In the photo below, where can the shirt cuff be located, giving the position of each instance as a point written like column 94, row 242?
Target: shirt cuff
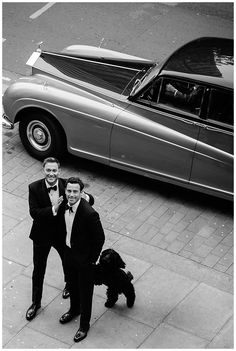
column 53, row 211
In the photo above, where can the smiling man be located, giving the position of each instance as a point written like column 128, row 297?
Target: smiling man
column 81, row 225
column 45, row 198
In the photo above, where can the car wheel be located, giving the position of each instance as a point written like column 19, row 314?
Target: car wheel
column 41, row 136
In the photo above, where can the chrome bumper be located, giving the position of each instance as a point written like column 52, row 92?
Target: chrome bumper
column 6, row 123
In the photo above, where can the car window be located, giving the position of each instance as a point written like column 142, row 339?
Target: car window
column 182, row 95
column 173, row 93
column 221, row 106
column 152, row 93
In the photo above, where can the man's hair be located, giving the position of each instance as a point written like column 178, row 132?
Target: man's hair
column 51, row 159
column 75, row 180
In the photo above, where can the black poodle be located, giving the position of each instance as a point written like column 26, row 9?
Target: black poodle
column 109, row 271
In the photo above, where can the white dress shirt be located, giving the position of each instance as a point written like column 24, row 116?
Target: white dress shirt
column 54, row 196
column 69, row 218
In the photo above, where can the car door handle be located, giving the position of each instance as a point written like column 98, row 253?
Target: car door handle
column 201, row 125
column 189, row 122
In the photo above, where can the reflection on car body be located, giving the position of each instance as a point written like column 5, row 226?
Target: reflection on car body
column 171, row 121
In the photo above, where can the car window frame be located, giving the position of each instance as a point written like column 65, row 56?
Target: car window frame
column 174, row 111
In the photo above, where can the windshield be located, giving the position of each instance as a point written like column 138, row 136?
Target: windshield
column 146, row 78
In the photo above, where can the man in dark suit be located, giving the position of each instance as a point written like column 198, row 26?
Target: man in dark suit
column 45, row 198
column 84, row 240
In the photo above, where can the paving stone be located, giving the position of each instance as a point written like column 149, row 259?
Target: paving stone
column 206, row 231
column 168, row 337
column 160, row 211
column 8, row 223
column 175, row 263
column 171, row 236
column 194, row 244
column 14, row 206
column 225, row 338
column 10, row 270
column 118, row 226
column 219, row 267
column 167, row 228
column 203, row 312
column 203, row 250
column 163, row 244
column 47, row 322
column 164, row 218
column 182, row 225
column 213, row 241
column 176, row 218
column 7, row 335
column 159, row 298
column 116, row 330
column 197, row 224
column 185, row 236
column 32, row 339
column 228, row 240
column 8, row 178
column 16, row 300
column 22, row 252
column 149, row 235
column 211, row 260
column 230, row 270
column 227, row 260
column 176, row 246
column 185, row 253
column 220, row 250
column 156, row 239
column 196, row 258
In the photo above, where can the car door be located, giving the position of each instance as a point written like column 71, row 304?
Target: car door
column 154, row 136
column 213, row 159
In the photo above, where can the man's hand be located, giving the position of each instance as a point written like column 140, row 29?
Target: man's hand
column 58, row 203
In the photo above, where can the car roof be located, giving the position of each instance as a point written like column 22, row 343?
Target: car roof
column 206, row 59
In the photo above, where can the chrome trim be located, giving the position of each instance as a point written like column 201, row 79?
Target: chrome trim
column 6, row 123
column 147, row 170
column 211, row 188
column 67, row 109
column 89, row 153
column 87, row 60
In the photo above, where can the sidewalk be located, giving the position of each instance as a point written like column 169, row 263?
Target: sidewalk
column 177, row 244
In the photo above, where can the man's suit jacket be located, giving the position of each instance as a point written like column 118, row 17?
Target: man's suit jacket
column 44, row 229
column 87, row 235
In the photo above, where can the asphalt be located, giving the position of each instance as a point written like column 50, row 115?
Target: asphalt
column 178, row 244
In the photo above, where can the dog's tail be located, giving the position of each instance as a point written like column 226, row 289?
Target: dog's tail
column 130, row 276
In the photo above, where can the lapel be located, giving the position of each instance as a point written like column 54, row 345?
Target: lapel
column 78, row 216
column 44, row 193
column 61, row 187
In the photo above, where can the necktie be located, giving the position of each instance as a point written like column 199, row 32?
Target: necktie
column 52, row 188
column 69, row 208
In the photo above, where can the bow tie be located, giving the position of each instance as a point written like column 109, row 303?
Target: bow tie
column 52, row 188
column 69, row 208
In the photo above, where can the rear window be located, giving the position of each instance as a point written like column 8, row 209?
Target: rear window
column 221, row 106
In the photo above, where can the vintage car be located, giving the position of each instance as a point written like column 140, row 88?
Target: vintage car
column 171, row 121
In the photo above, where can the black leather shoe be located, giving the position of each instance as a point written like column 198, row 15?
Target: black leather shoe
column 80, row 335
column 32, row 310
column 65, row 293
column 68, row 316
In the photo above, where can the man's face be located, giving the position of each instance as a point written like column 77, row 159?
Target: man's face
column 73, row 193
column 51, row 171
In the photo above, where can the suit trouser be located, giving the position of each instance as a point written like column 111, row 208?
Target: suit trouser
column 80, row 283
column 40, row 255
